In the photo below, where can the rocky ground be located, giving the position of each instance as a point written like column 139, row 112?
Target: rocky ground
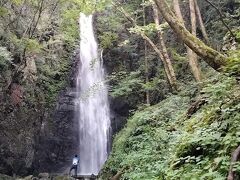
column 41, row 176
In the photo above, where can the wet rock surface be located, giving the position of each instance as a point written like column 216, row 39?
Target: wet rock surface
column 59, row 138
column 119, row 113
column 33, row 142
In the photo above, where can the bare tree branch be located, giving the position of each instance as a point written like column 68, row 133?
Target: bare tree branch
column 222, row 16
column 38, row 18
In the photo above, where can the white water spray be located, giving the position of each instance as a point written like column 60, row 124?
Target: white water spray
column 92, row 102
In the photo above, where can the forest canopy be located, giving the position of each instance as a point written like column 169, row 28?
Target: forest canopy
column 173, row 71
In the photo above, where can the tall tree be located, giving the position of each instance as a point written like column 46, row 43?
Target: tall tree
column 163, row 46
column 212, row 57
column 154, row 46
column 191, row 55
column 203, row 29
column 146, row 60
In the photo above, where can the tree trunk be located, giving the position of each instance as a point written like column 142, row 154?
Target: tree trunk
column 215, row 59
column 155, row 48
column 235, row 158
column 193, row 17
column 38, row 18
column 163, row 46
column 177, row 10
column 192, row 57
column 146, row 72
column 160, row 55
column 146, row 61
column 203, row 29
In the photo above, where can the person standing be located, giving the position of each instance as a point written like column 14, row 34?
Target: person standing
column 74, row 166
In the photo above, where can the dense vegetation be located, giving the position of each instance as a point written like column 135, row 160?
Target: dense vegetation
column 182, row 93
column 188, row 134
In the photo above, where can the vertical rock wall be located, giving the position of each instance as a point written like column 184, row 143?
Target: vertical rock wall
column 59, row 138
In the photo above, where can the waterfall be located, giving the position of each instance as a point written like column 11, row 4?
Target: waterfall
column 93, row 112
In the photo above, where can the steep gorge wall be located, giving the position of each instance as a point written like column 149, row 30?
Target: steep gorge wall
column 59, row 139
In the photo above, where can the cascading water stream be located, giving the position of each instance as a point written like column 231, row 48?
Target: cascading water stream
column 92, row 102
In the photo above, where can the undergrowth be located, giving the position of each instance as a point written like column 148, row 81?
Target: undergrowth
column 164, row 142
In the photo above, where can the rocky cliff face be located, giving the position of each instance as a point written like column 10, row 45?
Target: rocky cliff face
column 20, row 123
column 36, row 138
column 59, row 138
column 119, row 113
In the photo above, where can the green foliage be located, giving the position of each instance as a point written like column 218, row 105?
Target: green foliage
column 41, row 40
column 31, row 45
column 69, row 25
column 160, row 142
column 237, row 34
column 233, row 66
column 140, row 148
column 71, row 11
column 88, row 6
column 149, row 29
column 107, row 39
column 18, row 2
column 221, row 90
column 52, row 80
column 3, row 11
column 152, row 85
column 127, row 83
column 5, row 58
column 177, row 56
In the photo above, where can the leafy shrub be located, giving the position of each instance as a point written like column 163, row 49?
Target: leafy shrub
column 126, row 83
column 161, row 142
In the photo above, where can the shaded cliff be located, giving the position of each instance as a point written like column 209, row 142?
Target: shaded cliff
column 59, row 138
